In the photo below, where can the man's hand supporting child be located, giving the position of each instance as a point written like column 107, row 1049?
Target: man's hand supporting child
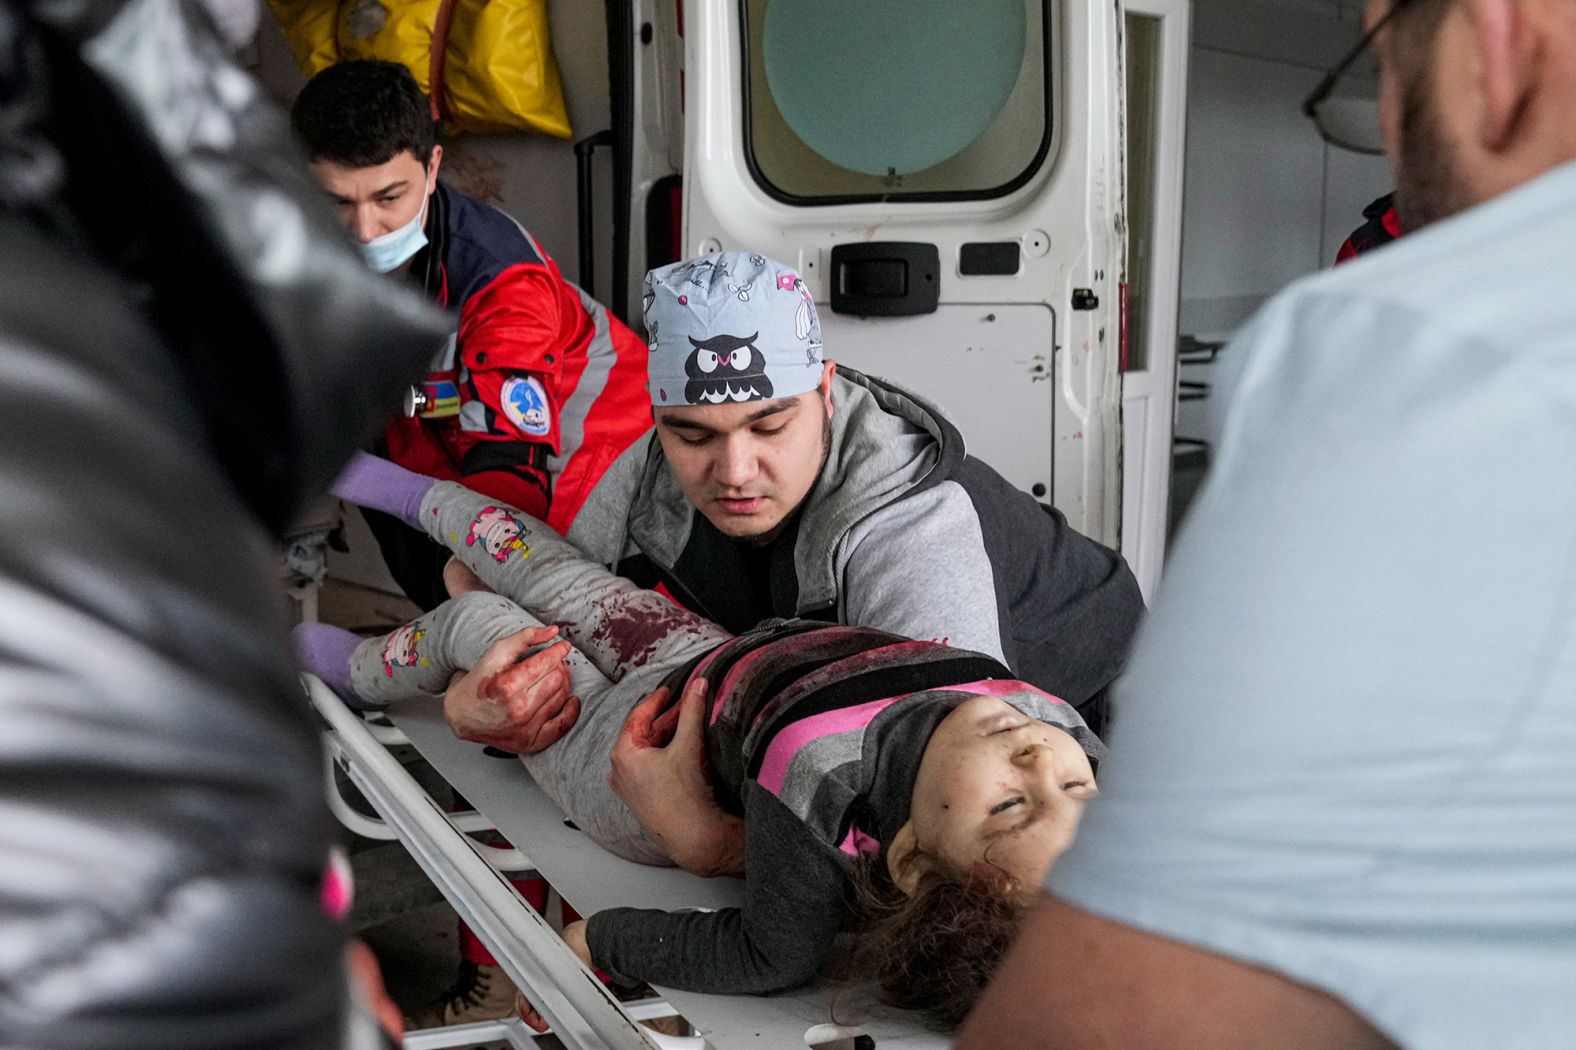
column 659, row 770
column 515, row 699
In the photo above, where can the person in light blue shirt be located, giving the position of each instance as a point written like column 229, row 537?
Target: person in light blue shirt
column 1340, row 804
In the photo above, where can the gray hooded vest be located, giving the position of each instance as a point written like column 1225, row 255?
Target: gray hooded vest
column 903, row 531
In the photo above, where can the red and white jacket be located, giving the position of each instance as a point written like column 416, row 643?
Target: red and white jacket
column 539, row 390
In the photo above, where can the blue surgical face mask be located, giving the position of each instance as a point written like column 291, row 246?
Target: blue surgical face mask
column 395, row 248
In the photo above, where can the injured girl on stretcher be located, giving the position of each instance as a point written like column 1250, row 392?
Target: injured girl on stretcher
column 892, row 804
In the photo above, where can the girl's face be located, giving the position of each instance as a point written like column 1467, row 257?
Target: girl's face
column 998, row 786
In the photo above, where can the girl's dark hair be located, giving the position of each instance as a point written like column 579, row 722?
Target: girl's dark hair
column 933, row 952
column 363, row 113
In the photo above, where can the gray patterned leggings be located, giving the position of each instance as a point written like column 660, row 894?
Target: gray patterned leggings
column 625, row 641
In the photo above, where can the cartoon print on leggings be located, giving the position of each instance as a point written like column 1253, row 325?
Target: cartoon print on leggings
column 498, row 532
column 726, row 368
column 400, row 649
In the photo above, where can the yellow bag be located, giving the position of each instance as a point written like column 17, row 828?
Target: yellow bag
column 309, row 26
column 487, row 64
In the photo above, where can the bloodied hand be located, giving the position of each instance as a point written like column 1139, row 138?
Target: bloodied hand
column 514, row 699
column 659, row 770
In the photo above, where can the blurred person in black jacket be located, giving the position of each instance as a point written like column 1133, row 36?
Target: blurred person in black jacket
column 184, row 338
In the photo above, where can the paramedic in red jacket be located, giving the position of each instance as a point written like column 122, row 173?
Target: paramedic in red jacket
column 541, row 387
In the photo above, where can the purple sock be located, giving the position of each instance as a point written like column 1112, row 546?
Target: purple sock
column 325, row 651
column 368, row 481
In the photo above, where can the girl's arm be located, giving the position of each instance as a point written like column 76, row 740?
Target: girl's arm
column 791, row 917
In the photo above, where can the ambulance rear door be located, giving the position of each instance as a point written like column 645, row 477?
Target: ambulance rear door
column 947, row 177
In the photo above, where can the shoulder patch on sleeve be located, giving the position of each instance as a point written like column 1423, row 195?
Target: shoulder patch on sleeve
column 524, row 401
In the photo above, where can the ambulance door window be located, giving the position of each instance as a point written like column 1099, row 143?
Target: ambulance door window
column 896, row 99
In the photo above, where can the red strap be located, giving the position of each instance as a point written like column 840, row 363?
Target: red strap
column 435, row 59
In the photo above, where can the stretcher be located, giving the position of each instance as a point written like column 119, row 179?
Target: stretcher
column 583, row 1012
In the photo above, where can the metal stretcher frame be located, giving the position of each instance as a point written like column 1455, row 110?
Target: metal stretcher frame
column 583, row 1012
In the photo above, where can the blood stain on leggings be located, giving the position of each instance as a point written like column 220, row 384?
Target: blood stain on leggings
column 632, row 626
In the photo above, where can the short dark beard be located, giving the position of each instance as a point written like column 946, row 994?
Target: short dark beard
column 770, row 536
column 1427, row 188
column 1427, row 185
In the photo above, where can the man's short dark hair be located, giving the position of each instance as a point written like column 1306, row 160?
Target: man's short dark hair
column 363, row 113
